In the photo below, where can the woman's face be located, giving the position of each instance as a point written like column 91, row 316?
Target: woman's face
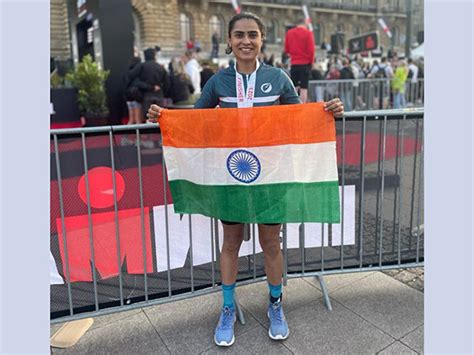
column 246, row 40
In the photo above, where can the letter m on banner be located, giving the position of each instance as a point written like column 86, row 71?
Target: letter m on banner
column 104, row 237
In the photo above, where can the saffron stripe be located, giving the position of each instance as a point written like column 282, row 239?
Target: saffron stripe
column 271, row 203
column 247, row 127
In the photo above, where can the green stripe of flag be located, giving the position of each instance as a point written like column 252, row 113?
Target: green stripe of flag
column 272, row 203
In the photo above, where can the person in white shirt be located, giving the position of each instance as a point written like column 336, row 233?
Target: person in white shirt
column 411, row 84
column 414, row 69
column 193, row 69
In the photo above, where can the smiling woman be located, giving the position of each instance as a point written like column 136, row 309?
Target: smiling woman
column 249, row 83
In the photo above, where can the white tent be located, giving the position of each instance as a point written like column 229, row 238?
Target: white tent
column 418, row 52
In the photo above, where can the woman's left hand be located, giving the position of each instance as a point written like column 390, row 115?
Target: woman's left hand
column 335, row 106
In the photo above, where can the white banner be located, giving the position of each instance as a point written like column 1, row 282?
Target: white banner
column 54, row 277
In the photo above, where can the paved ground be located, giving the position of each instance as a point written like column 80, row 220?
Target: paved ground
column 373, row 313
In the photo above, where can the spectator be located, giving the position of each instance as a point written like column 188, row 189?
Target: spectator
column 381, row 88
column 193, row 69
column 154, row 77
column 412, row 71
column 316, row 74
column 346, row 89
column 181, row 87
column 299, row 45
column 133, row 94
column 190, row 44
column 197, row 46
column 206, row 74
column 413, row 80
column 398, row 85
column 270, row 60
column 331, row 88
column 357, row 66
column 215, row 45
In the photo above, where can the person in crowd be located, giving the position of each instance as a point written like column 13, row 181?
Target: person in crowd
column 181, row 87
column 190, row 44
column 381, row 88
column 206, row 73
column 316, row 74
column 413, row 80
column 197, row 46
column 346, row 87
column 245, row 38
column 154, row 77
column 398, row 85
column 299, row 45
column 421, row 75
column 215, row 45
column 357, row 68
column 193, row 69
column 270, row 60
column 133, row 94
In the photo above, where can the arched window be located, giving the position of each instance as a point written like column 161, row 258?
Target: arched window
column 216, row 25
column 185, row 25
column 271, row 29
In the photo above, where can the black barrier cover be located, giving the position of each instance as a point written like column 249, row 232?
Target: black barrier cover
column 386, row 216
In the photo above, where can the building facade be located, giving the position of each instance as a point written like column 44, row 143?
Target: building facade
column 170, row 23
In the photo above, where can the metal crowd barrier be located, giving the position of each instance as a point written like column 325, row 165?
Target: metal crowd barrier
column 380, row 159
column 365, row 94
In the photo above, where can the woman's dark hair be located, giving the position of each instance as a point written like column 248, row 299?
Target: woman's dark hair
column 134, row 61
column 246, row 16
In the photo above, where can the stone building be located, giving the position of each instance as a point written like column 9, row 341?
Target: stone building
column 169, row 23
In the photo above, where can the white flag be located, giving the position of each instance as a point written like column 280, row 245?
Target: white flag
column 307, row 18
column 385, row 27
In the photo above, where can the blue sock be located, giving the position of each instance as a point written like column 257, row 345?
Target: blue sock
column 275, row 292
column 228, row 293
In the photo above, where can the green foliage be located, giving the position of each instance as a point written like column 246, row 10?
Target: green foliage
column 89, row 79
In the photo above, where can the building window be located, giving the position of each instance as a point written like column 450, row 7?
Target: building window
column 185, row 25
column 340, row 27
column 357, row 30
column 216, row 25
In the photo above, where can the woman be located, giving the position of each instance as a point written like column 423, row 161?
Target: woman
column 270, row 86
column 181, row 87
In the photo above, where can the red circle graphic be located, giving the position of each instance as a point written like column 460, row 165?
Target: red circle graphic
column 101, row 187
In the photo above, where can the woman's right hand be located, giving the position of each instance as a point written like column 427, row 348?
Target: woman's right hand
column 154, row 113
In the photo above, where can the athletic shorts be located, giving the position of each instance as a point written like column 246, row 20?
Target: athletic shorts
column 227, row 223
column 133, row 104
column 300, row 75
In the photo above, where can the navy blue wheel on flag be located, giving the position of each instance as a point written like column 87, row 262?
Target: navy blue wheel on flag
column 243, row 166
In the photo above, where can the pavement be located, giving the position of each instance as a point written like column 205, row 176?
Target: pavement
column 373, row 313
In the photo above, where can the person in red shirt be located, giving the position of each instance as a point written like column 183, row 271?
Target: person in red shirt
column 299, row 45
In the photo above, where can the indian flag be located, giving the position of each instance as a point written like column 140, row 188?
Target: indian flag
column 274, row 164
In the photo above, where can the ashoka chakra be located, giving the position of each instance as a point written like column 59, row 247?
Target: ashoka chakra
column 243, row 166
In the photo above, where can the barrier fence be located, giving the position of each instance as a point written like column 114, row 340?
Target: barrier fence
column 116, row 243
column 366, row 94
